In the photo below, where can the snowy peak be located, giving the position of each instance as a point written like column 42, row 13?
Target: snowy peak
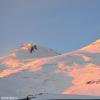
column 93, row 47
column 25, row 57
column 32, row 51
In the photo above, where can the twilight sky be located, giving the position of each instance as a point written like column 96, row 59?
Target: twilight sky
column 64, row 25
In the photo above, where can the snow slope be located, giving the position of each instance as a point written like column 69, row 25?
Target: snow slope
column 69, row 73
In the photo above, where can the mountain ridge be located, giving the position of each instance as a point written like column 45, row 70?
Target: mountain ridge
column 67, row 73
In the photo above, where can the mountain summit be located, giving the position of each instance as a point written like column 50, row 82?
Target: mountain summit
column 28, row 51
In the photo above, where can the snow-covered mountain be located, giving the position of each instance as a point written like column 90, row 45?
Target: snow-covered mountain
column 45, row 71
column 24, row 53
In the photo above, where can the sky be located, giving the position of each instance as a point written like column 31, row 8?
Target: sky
column 64, row 25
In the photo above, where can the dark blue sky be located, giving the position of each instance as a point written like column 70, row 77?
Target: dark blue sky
column 64, row 25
